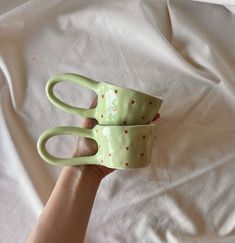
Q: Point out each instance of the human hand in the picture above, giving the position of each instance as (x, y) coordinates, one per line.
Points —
(89, 146)
(86, 146)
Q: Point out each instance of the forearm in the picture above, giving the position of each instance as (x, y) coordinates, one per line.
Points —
(66, 214)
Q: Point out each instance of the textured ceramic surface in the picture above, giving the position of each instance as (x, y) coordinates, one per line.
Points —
(116, 105)
(120, 147)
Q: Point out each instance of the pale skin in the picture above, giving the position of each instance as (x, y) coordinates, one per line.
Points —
(66, 214)
(65, 217)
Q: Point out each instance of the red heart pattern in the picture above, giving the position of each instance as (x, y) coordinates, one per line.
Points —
(132, 102)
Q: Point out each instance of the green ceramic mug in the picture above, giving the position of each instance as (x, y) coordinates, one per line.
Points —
(115, 106)
(120, 147)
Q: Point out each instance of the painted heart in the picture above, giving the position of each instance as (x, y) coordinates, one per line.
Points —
(127, 148)
(126, 131)
(132, 102)
(102, 96)
(126, 164)
(116, 91)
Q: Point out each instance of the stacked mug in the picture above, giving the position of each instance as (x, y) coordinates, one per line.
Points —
(124, 135)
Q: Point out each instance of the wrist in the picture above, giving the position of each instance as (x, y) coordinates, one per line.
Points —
(84, 172)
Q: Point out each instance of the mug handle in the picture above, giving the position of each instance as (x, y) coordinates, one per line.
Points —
(66, 130)
(75, 78)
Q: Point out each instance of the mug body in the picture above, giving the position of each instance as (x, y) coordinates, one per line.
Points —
(124, 147)
(121, 106)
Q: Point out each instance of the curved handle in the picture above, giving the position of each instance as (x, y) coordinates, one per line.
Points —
(75, 78)
(67, 130)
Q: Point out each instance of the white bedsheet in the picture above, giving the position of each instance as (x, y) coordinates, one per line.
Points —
(183, 51)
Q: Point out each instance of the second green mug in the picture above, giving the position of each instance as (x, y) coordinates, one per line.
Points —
(120, 147)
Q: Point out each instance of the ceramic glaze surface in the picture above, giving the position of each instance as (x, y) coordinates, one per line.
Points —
(121, 106)
(120, 147)
(125, 146)
(116, 105)
(123, 139)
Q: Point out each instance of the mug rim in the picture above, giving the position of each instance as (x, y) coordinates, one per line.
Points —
(126, 126)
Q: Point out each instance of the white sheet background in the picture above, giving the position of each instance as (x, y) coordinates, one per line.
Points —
(183, 51)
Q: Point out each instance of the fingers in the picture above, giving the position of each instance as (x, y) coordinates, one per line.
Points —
(89, 122)
(157, 116)
(86, 123)
(94, 102)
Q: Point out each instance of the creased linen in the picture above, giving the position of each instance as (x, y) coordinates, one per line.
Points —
(183, 51)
